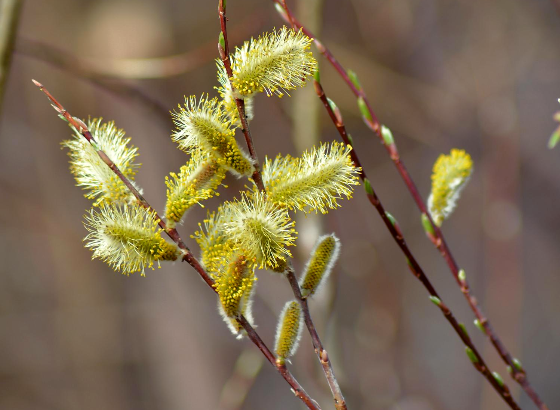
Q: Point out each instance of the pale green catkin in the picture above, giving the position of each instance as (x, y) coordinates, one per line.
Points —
(288, 332)
(320, 264)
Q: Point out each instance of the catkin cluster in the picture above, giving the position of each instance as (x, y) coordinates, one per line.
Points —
(254, 230)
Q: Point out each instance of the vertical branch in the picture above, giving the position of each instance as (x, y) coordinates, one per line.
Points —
(9, 17)
(187, 254)
(306, 130)
(369, 117)
(223, 48)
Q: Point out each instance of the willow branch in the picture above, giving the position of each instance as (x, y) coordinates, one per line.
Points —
(517, 372)
(79, 126)
(479, 364)
(9, 17)
(322, 355)
(339, 401)
(224, 55)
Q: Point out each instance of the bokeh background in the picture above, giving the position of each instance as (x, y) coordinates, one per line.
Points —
(473, 74)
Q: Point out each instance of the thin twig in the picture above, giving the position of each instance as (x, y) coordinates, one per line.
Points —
(324, 359)
(517, 372)
(479, 364)
(9, 17)
(224, 55)
(257, 178)
(187, 255)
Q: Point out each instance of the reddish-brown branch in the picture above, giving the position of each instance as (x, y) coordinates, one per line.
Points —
(297, 389)
(336, 118)
(322, 355)
(187, 255)
(438, 239)
(224, 55)
(339, 401)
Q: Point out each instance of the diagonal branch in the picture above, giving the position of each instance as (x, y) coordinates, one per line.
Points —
(417, 271)
(517, 372)
(187, 255)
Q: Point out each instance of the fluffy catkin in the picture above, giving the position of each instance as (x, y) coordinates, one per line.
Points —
(127, 238)
(450, 175)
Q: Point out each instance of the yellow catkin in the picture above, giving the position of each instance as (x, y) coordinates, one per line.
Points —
(92, 174)
(228, 100)
(273, 63)
(234, 283)
(196, 181)
(450, 175)
(288, 331)
(313, 182)
(212, 240)
(261, 227)
(127, 238)
(320, 264)
(203, 125)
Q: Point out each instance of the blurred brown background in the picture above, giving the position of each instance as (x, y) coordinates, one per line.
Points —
(473, 74)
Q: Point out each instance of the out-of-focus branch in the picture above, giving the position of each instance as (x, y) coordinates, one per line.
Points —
(9, 17)
(437, 238)
(79, 68)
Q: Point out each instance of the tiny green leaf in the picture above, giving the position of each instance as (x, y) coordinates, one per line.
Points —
(354, 78)
(367, 186)
(462, 275)
(517, 364)
(332, 104)
(364, 109)
(317, 76)
(480, 326)
(554, 138)
(281, 10)
(435, 300)
(464, 329)
(472, 356)
(387, 135)
(498, 378)
(222, 41)
(426, 224)
(350, 139)
(391, 218)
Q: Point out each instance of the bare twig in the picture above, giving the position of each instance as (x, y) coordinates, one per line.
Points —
(517, 372)
(187, 255)
(339, 402)
(9, 17)
(478, 361)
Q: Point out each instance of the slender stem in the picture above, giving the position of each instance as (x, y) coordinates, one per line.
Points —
(9, 17)
(224, 55)
(336, 118)
(339, 402)
(297, 389)
(438, 239)
(187, 254)
(257, 177)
